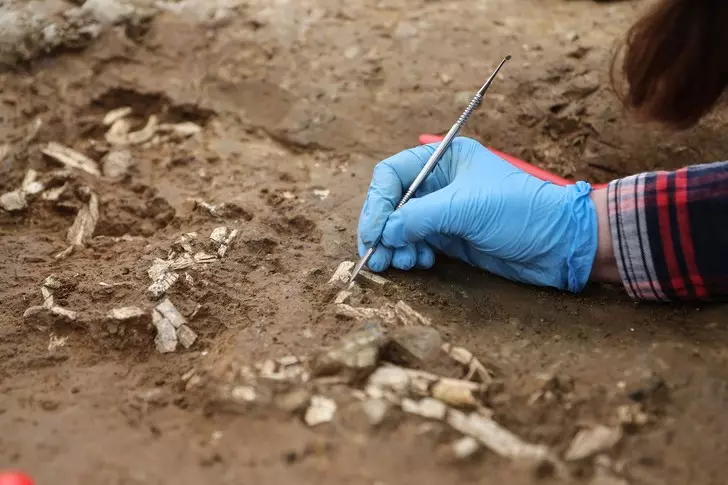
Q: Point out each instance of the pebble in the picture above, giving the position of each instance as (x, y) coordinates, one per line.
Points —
(375, 410)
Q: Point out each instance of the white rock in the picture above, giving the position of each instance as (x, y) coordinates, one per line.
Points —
(167, 309)
(186, 336)
(376, 410)
(166, 339)
(321, 410)
(465, 447)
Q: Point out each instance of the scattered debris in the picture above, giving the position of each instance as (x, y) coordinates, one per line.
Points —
(71, 158)
(589, 442)
(163, 273)
(120, 134)
(321, 410)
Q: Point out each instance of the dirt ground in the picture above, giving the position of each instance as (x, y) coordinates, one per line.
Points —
(296, 98)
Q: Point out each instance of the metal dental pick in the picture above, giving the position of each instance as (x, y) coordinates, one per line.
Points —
(432, 162)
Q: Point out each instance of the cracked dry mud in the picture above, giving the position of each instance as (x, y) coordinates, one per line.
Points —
(296, 102)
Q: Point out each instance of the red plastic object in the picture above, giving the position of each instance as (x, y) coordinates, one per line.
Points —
(525, 166)
(14, 478)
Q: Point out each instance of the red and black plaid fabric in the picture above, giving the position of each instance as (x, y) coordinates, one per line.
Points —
(670, 233)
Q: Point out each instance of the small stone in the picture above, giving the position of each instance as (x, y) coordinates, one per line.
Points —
(589, 442)
(321, 410)
(170, 312)
(376, 410)
(13, 201)
(166, 339)
(414, 345)
(186, 336)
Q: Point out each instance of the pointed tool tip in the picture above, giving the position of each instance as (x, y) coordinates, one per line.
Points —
(508, 57)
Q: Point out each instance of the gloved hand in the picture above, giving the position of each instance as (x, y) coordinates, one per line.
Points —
(480, 209)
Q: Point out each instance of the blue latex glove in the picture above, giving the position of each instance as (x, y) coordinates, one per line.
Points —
(482, 210)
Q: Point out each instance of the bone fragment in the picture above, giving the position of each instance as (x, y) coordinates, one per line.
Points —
(427, 408)
(160, 286)
(321, 410)
(116, 114)
(126, 313)
(186, 336)
(409, 316)
(84, 226)
(71, 158)
(589, 442)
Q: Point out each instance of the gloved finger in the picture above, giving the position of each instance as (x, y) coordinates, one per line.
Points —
(390, 181)
(405, 258)
(380, 260)
(435, 213)
(425, 255)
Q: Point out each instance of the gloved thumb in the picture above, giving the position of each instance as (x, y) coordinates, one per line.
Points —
(435, 213)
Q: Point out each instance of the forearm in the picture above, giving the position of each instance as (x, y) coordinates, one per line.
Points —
(666, 234)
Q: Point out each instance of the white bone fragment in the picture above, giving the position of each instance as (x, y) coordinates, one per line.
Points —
(48, 301)
(227, 243)
(158, 269)
(63, 312)
(30, 186)
(54, 193)
(589, 442)
(160, 286)
(427, 408)
(495, 437)
(65, 253)
(166, 339)
(126, 313)
(167, 309)
(342, 273)
(84, 226)
(203, 257)
(321, 410)
(219, 234)
(186, 128)
(13, 201)
(182, 262)
(119, 133)
(116, 114)
(466, 358)
(186, 336)
(71, 158)
(409, 316)
(373, 278)
(341, 297)
(34, 310)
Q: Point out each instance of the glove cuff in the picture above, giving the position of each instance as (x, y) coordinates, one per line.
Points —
(583, 249)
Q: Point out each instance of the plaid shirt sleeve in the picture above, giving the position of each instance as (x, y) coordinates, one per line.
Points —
(670, 233)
